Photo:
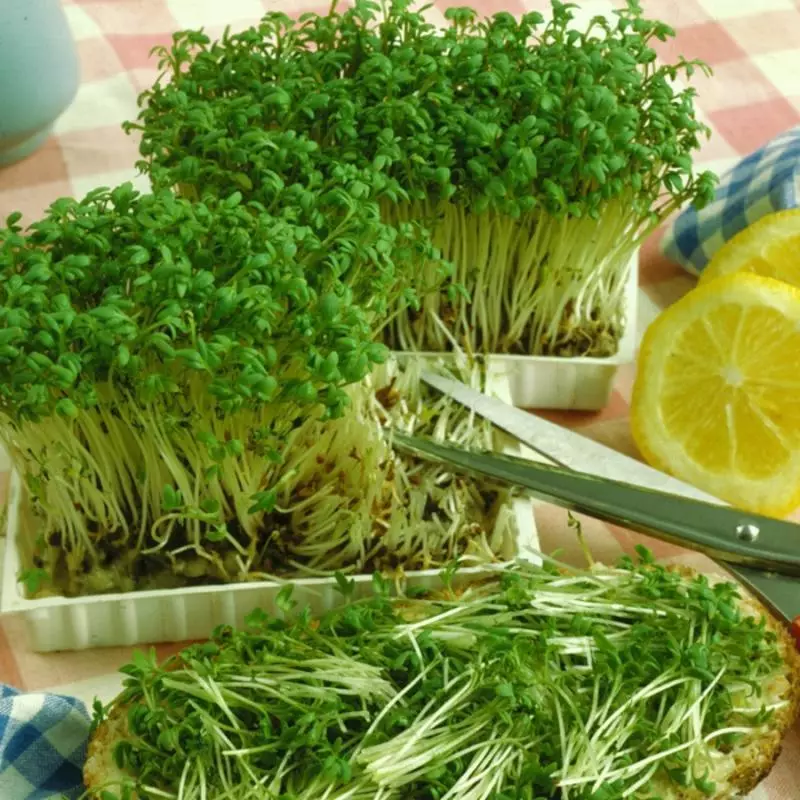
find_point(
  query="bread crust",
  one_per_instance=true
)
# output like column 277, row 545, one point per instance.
column 755, row 760
column 752, row 761
column 100, row 769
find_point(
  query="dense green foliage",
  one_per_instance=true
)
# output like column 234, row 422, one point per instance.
column 152, row 292
column 540, row 152
column 156, row 355
column 502, row 114
column 540, row 683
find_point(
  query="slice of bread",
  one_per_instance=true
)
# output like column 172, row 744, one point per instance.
column 738, row 772
column 100, row 769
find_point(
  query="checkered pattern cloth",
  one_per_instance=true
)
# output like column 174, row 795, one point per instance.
column 42, row 745
column 753, row 47
column 765, row 181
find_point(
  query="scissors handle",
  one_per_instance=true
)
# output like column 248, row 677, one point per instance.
column 722, row 532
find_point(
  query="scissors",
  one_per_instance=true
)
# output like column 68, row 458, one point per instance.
column 761, row 552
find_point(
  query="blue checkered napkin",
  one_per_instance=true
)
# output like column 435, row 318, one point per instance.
column 765, row 181
column 42, row 745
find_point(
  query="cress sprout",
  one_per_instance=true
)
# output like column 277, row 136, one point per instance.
column 601, row 684
column 167, row 367
column 540, row 153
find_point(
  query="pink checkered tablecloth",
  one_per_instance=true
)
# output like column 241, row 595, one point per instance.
column 752, row 45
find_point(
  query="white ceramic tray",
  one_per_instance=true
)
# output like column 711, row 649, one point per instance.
column 580, row 384
column 171, row 615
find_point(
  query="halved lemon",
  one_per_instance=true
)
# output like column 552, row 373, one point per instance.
column 769, row 247
column 716, row 400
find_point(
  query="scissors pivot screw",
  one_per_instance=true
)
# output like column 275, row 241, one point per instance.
column 747, row 532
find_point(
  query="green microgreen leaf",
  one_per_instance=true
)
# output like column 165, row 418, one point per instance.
column 34, row 579
column 171, row 499
column 344, row 585
column 284, row 600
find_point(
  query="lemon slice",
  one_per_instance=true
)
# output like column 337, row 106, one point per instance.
column 716, row 400
column 769, row 247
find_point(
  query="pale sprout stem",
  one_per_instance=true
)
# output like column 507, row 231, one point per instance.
column 155, row 792
column 347, row 499
column 536, row 285
column 646, row 778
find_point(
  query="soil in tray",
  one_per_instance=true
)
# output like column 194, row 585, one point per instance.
column 119, row 568
column 596, row 339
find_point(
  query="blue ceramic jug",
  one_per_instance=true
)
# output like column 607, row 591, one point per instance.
column 38, row 73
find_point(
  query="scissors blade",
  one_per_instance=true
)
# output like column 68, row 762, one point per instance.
column 561, row 445
column 780, row 593
column 723, row 532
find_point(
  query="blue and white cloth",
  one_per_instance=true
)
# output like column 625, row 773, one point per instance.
column 765, row 181
column 43, row 741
